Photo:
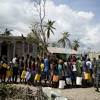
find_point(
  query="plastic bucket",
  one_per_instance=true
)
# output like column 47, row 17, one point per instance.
column 28, row 75
column 37, row 77
column 79, row 80
column 55, row 78
column 68, row 81
column 23, row 74
column 87, row 76
column 61, row 84
column 61, row 98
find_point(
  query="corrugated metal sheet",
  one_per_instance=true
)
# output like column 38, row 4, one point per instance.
column 62, row 50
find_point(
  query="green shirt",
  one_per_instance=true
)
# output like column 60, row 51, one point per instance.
column 78, row 66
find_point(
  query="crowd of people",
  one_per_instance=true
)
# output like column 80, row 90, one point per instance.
column 51, row 69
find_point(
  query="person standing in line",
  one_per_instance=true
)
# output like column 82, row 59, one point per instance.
column 46, row 67
column 15, row 70
column 94, row 66
column 13, row 65
column 33, row 70
column 4, row 69
column 90, row 66
column 79, row 67
column 1, row 62
column 14, row 59
column 27, row 61
column 9, row 72
column 97, row 73
column 30, row 62
column 37, row 65
column 54, row 77
column 90, row 71
column 37, row 71
column 94, row 62
column 60, row 68
column 84, row 71
column 74, row 73
column 42, row 68
column 21, row 66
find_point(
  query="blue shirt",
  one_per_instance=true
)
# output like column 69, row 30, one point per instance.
column 46, row 64
column 59, row 69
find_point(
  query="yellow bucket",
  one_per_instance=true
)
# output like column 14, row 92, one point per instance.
column 37, row 77
column 23, row 74
column 9, row 73
column 87, row 76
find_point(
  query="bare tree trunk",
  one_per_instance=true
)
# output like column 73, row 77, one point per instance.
column 41, row 13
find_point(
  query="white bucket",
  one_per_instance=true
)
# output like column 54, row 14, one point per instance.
column 28, row 75
column 68, row 81
column 61, row 84
column 79, row 80
column 61, row 98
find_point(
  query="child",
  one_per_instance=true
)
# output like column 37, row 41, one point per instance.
column 9, row 73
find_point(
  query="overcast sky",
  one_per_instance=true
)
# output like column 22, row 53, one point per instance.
column 80, row 18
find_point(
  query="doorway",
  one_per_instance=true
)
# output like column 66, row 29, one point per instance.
column 4, row 48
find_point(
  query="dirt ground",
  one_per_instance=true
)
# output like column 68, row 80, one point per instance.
column 79, row 93
column 71, row 93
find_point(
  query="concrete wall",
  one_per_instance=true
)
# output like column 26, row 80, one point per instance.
column 94, row 54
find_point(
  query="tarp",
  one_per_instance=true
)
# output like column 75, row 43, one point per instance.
column 62, row 50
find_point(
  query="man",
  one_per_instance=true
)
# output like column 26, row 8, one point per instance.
column 89, row 66
column 15, row 61
column 46, row 67
column 97, row 73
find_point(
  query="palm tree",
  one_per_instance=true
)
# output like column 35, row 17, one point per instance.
column 65, row 39
column 7, row 32
column 49, row 28
column 31, row 37
column 76, row 45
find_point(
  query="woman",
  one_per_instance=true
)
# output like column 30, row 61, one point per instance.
column 85, row 72
column 21, row 66
column 54, row 77
column 60, row 69
column 37, row 70
column 42, row 68
column 4, row 69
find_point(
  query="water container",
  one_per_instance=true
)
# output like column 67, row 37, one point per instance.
column 28, row 75
column 61, row 98
column 61, row 84
column 68, row 81
column 55, row 78
column 79, row 80
column 23, row 74
column 87, row 76
column 37, row 77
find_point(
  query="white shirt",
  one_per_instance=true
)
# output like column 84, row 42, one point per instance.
column 14, row 60
column 74, row 68
column 89, row 63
